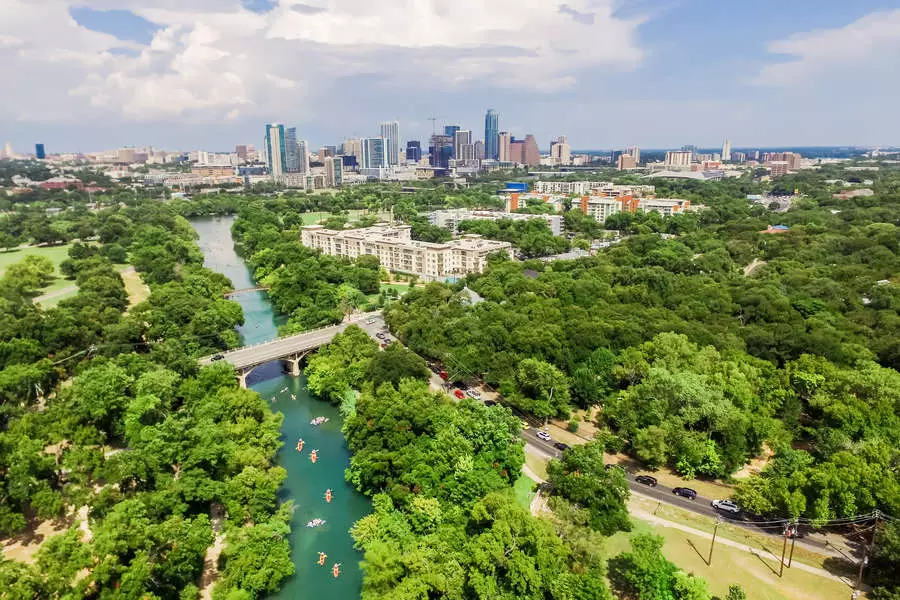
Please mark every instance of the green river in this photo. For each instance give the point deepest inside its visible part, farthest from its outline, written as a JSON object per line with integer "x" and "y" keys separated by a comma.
{"x": 306, "y": 482}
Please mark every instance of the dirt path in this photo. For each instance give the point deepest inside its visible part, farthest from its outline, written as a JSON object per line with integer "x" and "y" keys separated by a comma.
{"x": 749, "y": 269}
{"x": 54, "y": 294}
{"x": 211, "y": 560}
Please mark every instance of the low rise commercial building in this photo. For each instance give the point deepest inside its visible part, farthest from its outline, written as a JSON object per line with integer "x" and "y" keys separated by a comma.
{"x": 397, "y": 251}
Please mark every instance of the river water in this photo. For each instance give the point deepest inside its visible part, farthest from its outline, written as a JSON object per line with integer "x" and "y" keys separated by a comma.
{"x": 306, "y": 482}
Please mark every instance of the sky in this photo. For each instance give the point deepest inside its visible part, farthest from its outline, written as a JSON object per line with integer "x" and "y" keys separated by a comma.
{"x": 86, "y": 75}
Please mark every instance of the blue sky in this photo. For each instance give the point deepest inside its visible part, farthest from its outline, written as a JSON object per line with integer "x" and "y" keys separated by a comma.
{"x": 182, "y": 74}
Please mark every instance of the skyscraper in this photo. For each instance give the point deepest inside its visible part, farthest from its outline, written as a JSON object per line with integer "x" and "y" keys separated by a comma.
{"x": 479, "y": 150}
{"x": 517, "y": 151}
{"x": 491, "y": 133}
{"x": 372, "y": 153}
{"x": 560, "y": 151}
{"x": 413, "y": 151}
{"x": 291, "y": 155}
{"x": 39, "y": 152}
{"x": 450, "y": 131}
{"x": 390, "y": 131}
{"x": 461, "y": 138}
{"x": 276, "y": 156}
{"x": 334, "y": 171}
{"x": 531, "y": 155}
{"x": 302, "y": 150}
{"x": 726, "y": 150}
{"x": 503, "y": 142}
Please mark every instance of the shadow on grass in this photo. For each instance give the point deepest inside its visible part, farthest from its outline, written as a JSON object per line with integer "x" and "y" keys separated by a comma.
{"x": 697, "y": 550}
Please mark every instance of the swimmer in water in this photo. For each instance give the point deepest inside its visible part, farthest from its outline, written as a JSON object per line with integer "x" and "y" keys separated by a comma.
{"x": 322, "y": 557}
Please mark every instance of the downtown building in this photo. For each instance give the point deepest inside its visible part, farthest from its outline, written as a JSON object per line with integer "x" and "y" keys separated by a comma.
{"x": 397, "y": 251}
{"x": 492, "y": 135}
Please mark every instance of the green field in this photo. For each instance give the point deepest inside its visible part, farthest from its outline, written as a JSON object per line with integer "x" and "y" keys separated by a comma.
{"x": 312, "y": 218}
{"x": 57, "y": 254}
{"x": 756, "y": 573}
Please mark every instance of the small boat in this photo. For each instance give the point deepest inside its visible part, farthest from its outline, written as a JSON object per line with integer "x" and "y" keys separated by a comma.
{"x": 336, "y": 569}
{"x": 293, "y": 397}
{"x": 319, "y": 421}
{"x": 283, "y": 390}
{"x": 314, "y": 456}
{"x": 300, "y": 445}
{"x": 322, "y": 557}
{"x": 316, "y": 523}
{"x": 328, "y": 496}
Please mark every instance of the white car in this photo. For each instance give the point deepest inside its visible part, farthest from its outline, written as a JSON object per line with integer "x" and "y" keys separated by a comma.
{"x": 543, "y": 435}
{"x": 370, "y": 322}
{"x": 726, "y": 506}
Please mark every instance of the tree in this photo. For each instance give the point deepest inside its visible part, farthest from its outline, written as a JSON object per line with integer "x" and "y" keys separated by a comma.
{"x": 543, "y": 387}
{"x": 394, "y": 364}
{"x": 582, "y": 478}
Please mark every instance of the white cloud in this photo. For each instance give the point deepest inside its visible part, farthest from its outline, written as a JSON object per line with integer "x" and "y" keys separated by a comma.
{"x": 213, "y": 59}
{"x": 863, "y": 51}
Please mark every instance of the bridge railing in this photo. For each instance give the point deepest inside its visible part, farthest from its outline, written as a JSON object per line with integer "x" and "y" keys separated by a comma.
{"x": 283, "y": 338}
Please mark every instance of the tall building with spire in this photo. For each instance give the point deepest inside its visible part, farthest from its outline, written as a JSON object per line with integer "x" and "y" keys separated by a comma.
{"x": 492, "y": 134}
{"x": 276, "y": 154}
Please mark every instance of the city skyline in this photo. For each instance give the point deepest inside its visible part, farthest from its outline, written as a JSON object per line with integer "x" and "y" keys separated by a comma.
{"x": 189, "y": 73}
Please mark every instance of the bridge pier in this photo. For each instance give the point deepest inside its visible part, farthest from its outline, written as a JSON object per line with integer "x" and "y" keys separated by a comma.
{"x": 242, "y": 379}
{"x": 294, "y": 362}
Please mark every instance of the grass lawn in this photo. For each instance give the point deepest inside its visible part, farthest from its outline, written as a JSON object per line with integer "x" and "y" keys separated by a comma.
{"x": 398, "y": 288}
{"x": 524, "y": 491}
{"x": 757, "y": 574}
{"x": 56, "y": 254}
{"x": 537, "y": 464}
{"x": 311, "y": 218}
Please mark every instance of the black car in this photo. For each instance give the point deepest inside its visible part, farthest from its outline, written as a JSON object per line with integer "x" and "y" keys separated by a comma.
{"x": 216, "y": 357}
{"x": 646, "y": 480}
{"x": 435, "y": 369}
{"x": 685, "y": 492}
{"x": 561, "y": 446}
{"x": 609, "y": 466}
{"x": 489, "y": 403}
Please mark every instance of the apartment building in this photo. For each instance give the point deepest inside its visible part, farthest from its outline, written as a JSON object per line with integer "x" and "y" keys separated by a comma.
{"x": 581, "y": 188}
{"x": 397, "y": 251}
{"x": 450, "y": 218}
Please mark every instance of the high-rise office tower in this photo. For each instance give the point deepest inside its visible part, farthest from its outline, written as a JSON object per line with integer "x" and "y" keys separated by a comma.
{"x": 334, "y": 171}
{"x": 560, "y": 151}
{"x": 302, "y": 156}
{"x": 413, "y": 151}
{"x": 352, "y": 148}
{"x": 372, "y": 153}
{"x": 726, "y": 150}
{"x": 491, "y": 133}
{"x": 503, "y": 146}
{"x": 276, "y": 155}
{"x": 461, "y": 138}
{"x": 39, "y": 152}
{"x": 291, "y": 155}
{"x": 450, "y": 130}
{"x": 441, "y": 151}
{"x": 531, "y": 155}
{"x": 635, "y": 153}
{"x": 479, "y": 150}
{"x": 390, "y": 132}
{"x": 517, "y": 151}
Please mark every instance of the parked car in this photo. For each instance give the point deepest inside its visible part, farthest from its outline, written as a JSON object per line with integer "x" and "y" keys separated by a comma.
{"x": 473, "y": 393}
{"x": 685, "y": 492}
{"x": 434, "y": 369}
{"x": 370, "y": 321}
{"x": 459, "y": 393}
{"x": 561, "y": 446}
{"x": 379, "y": 335}
{"x": 490, "y": 403}
{"x": 646, "y": 480}
{"x": 443, "y": 375}
{"x": 728, "y": 506}
{"x": 216, "y": 357}
{"x": 543, "y": 435}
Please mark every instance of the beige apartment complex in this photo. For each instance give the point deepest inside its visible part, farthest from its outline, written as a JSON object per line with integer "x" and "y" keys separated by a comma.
{"x": 397, "y": 251}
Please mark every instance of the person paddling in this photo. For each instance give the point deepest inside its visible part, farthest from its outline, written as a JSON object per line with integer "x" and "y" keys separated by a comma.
{"x": 336, "y": 569}
{"x": 328, "y": 495}
{"x": 322, "y": 557}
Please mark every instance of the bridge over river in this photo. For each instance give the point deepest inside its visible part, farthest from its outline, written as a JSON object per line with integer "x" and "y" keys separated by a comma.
{"x": 293, "y": 348}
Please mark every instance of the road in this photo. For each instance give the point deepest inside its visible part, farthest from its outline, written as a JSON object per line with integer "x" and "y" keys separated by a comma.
{"x": 250, "y": 356}
{"x": 812, "y": 541}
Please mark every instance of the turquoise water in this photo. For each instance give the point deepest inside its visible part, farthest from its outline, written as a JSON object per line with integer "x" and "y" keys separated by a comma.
{"x": 306, "y": 482}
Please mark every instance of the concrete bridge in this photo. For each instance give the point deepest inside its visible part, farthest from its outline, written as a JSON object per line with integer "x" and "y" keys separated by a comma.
{"x": 233, "y": 293}
{"x": 292, "y": 349}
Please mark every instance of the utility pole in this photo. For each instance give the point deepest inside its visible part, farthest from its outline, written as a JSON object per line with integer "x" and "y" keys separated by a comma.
{"x": 793, "y": 531}
{"x": 713, "y": 542}
{"x": 783, "y": 551}
{"x": 867, "y": 549}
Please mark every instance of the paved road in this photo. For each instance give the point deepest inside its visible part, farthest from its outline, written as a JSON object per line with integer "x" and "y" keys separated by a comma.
{"x": 700, "y": 505}
{"x": 250, "y": 356}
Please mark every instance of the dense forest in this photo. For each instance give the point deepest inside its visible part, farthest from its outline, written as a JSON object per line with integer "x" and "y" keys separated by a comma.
{"x": 154, "y": 454}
